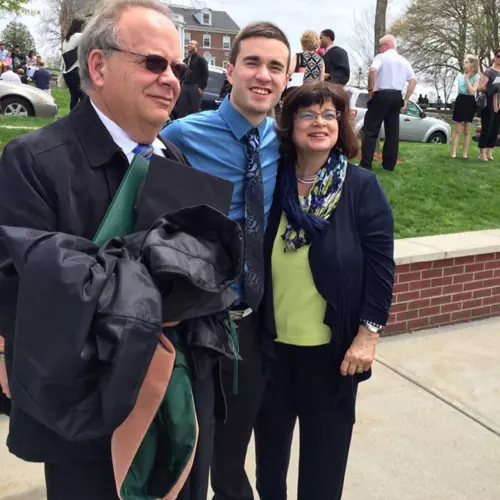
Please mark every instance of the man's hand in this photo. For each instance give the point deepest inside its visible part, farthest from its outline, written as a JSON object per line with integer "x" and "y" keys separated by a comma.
{"x": 4, "y": 383}
{"x": 403, "y": 109}
{"x": 170, "y": 324}
{"x": 200, "y": 91}
{"x": 359, "y": 357}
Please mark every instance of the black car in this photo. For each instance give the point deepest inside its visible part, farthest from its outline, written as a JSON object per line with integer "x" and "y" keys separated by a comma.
{"x": 217, "y": 88}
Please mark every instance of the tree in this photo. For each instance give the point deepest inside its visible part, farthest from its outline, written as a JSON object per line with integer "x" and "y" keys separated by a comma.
{"x": 14, "y": 6}
{"x": 16, "y": 33}
{"x": 361, "y": 45}
{"x": 379, "y": 24}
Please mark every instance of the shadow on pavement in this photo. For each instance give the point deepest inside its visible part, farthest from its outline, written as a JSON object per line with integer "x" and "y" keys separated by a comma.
{"x": 36, "y": 494}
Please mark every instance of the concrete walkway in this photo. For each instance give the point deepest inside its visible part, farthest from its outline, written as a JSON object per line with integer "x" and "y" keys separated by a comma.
{"x": 428, "y": 423}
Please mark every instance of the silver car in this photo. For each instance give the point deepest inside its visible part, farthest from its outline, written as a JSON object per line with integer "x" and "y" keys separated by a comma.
{"x": 25, "y": 100}
{"x": 414, "y": 125}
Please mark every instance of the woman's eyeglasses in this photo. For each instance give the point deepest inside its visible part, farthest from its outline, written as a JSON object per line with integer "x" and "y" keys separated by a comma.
{"x": 158, "y": 64}
{"x": 310, "y": 116}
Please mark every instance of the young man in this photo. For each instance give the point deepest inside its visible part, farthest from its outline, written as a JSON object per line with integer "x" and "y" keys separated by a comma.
{"x": 18, "y": 58}
{"x": 336, "y": 59}
{"x": 387, "y": 78}
{"x": 42, "y": 78}
{"x": 239, "y": 143}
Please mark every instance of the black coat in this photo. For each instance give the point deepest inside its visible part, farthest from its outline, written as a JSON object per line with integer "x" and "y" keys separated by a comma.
{"x": 197, "y": 71}
{"x": 351, "y": 263}
{"x": 337, "y": 65}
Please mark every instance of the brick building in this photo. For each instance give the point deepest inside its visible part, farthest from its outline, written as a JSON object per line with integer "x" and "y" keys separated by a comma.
{"x": 213, "y": 30}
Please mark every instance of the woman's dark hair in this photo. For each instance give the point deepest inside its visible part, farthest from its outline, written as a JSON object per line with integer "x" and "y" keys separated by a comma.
{"x": 307, "y": 95}
{"x": 76, "y": 26}
{"x": 31, "y": 53}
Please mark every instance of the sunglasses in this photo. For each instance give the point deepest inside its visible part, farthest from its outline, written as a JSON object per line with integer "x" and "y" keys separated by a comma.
{"x": 158, "y": 64}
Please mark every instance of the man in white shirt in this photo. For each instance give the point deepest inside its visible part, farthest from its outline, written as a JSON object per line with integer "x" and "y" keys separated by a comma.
{"x": 387, "y": 78}
{"x": 9, "y": 76}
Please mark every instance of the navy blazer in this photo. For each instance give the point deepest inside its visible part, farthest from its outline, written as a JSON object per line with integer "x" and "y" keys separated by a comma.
{"x": 351, "y": 262}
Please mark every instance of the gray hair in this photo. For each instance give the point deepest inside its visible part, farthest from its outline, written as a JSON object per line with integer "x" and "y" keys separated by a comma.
{"x": 101, "y": 31}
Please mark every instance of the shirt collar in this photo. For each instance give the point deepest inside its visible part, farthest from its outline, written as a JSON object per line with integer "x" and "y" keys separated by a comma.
{"x": 236, "y": 122}
{"x": 328, "y": 48}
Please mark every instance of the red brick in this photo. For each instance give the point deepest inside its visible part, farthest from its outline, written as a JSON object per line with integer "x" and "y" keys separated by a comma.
{"x": 495, "y": 290}
{"x": 443, "y": 299}
{"x": 468, "y": 259}
{"x": 432, "y": 273}
{"x": 451, "y": 271}
{"x": 397, "y": 327}
{"x": 463, "y": 278}
{"x": 492, "y": 265}
{"x": 494, "y": 299}
{"x": 442, "y": 281}
{"x": 418, "y": 304}
{"x": 461, "y": 315}
{"x": 430, "y": 311}
{"x": 473, "y": 285}
{"x": 415, "y": 324}
{"x": 483, "y": 275}
{"x": 470, "y": 304}
{"x": 497, "y": 273}
{"x": 473, "y": 268}
{"x": 399, "y": 307}
{"x": 431, "y": 292}
{"x": 485, "y": 258}
{"x": 495, "y": 309}
{"x": 485, "y": 292}
{"x": 406, "y": 297}
{"x": 403, "y": 268}
{"x": 459, "y": 297}
{"x": 440, "y": 320}
{"x": 401, "y": 287}
{"x": 392, "y": 318}
{"x": 452, "y": 289}
{"x": 457, "y": 306}
{"x": 437, "y": 264}
{"x": 491, "y": 282}
{"x": 419, "y": 266}
{"x": 404, "y": 316}
{"x": 482, "y": 311}
{"x": 497, "y": 256}
{"x": 414, "y": 276}
{"x": 420, "y": 285}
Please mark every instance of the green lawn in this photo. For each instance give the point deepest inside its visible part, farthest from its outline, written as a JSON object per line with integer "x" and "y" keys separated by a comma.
{"x": 430, "y": 193}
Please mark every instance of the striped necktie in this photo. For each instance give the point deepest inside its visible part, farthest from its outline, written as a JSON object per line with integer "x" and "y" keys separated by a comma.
{"x": 145, "y": 150}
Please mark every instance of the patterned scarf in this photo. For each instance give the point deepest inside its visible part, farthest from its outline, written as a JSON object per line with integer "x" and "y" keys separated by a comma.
{"x": 309, "y": 216}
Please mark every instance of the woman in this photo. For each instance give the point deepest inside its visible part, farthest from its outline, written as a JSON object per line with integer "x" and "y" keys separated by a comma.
{"x": 329, "y": 253}
{"x": 465, "y": 104}
{"x": 31, "y": 58}
{"x": 70, "y": 61}
{"x": 308, "y": 61}
{"x": 490, "y": 117}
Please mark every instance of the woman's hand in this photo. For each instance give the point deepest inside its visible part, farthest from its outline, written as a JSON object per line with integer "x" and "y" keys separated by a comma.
{"x": 359, "y": 357}
{"x": 4, "y": 383}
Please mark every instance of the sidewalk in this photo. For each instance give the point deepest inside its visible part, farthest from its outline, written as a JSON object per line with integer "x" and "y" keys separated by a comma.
{"x": 428, "y": 423}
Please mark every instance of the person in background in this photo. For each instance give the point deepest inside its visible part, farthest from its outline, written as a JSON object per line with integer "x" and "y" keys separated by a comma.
{"x": 196, "y": 80}
{"x": 70, "y": 61}
{"x": 22, "y": 76}
{"x": 31, "y": 58}
{"x": 307, "y": 61}
{"x": 18, "y": 58}
{"x": 465, "y": 104}
{"x": 3, "y": 57}
{"x": 490, "y": 115}
{"x": 336, "y": 59}
{"x": 238, "y": 142}
{"x": 9, "y": 76}
{"x": 42, "y": 78}
{"x": 330, "y": 271}
{"x": 387, "y": 77}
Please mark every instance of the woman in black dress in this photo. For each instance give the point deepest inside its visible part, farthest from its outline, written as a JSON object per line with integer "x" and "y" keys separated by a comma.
{"x": 465, "y": 105}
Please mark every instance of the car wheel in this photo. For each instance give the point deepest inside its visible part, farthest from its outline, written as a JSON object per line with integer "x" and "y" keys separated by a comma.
{"x": 16, "y": 106}
{"x": 437, "y": 138}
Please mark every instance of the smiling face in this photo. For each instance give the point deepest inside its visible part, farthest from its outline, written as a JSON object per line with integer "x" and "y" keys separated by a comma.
{"x": 258, "y": 77}
{"x": 318, "y": 135}
{"x": 138, "y": 100}
{"x": 192, "y": 47}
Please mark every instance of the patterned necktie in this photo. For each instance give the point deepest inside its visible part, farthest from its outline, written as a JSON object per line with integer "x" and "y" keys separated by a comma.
{"x": 254, "y": 224}
{"x": 145, "y": 150}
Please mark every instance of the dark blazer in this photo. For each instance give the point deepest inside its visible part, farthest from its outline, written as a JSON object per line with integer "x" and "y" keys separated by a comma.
{"x": 337, "y": 65}
{"x": 197, "y": 71}
{"x": 351, "y": 263}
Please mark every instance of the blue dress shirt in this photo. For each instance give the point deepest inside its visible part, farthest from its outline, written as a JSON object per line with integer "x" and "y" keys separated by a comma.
{"x": 213, "y": 141}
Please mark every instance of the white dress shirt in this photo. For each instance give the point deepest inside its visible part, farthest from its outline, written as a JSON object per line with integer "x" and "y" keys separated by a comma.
{"x": 11, "y": 77}
{"x": 393, "y": 71}
{"x": 122, "y": 139}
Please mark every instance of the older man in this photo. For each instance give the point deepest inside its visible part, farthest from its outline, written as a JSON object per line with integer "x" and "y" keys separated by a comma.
{"x": 387, "y": 78}
{"x": 63, "y": 177}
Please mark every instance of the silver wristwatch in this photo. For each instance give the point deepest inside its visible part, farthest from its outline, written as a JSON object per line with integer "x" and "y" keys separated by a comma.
{"x": 372, "y": 327}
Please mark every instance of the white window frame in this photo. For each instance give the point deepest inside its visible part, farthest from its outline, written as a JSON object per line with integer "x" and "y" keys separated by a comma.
{"x": 187, "y": 38}
{"x": 225, "y": 63}
{"x": 228, "y": 40}
{"x": 209, "y": 19}
{"x": 207, "y": 36}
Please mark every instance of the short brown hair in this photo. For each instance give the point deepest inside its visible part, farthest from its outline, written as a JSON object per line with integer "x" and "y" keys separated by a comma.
{"x": 259, "y": 29}
{"x": 309, "y": 94}
{"x": 309, "y": 40}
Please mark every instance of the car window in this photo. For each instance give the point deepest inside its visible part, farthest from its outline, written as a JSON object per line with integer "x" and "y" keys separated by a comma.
{"x": 412, "y": 110}
{"x": 362, "y": 100}
{"x": 215, "y": 82}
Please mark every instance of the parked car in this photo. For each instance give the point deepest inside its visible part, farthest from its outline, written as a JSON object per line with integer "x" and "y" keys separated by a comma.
{"x": 212, "y": 97}
{"x": 478, "y": 133}
{"x": 414, "y": 125}
{"x": 25, "y": 100}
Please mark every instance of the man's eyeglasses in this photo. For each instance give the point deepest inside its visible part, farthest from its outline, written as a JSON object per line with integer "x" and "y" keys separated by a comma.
{"x": 310, "y": 116}
{"x": 157, "y": 64}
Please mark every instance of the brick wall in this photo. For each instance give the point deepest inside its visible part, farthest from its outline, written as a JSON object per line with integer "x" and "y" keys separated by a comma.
{"x": 443, "y": 292}
{"x": 216, "y": 49}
